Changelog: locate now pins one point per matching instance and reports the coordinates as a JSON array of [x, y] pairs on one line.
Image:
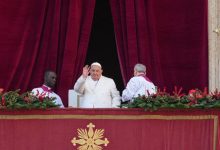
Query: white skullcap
[[96, 64]]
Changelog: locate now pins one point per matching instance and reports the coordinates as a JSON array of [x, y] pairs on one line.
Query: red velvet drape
[[43, 34], [169, 36], [77, 40]]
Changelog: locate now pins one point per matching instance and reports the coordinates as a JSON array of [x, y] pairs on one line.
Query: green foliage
[[14, 100], [195, 99]]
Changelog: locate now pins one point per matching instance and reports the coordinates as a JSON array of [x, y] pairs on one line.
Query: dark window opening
[[102, 46]]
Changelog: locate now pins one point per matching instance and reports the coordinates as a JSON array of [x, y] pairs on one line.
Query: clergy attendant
[[98, 91], [138, 85], [46, 88]]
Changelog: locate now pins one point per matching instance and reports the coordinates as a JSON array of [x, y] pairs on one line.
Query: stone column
[[214, 44]]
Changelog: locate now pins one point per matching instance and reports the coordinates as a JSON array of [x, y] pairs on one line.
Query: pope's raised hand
[[85, 71]]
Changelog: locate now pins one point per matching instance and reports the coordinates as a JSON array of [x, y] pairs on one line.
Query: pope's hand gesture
[[85, 71]]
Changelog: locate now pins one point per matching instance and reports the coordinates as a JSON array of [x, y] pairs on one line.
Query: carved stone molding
[[214, 44]]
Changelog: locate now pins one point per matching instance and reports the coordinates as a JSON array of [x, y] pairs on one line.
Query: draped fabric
[[124, 129], [169, 37], [77, 40], [43, 34]]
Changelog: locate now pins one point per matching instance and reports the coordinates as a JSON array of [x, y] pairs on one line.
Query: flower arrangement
[[14, 100], [194, 99]]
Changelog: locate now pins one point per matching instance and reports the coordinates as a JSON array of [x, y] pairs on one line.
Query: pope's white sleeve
[[116, 98], [79, 85]]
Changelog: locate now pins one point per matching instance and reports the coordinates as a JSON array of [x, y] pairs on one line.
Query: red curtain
[[76, 43], [169, 36], [43, 34]]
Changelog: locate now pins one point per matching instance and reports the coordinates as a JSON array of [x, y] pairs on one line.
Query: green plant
[[15, 100], [195, 99]]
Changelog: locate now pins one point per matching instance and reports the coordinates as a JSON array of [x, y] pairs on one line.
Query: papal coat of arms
[[90, 139]]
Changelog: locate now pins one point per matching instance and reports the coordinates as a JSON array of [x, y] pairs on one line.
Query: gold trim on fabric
[[114, 117], [215, 132], [121, 117]]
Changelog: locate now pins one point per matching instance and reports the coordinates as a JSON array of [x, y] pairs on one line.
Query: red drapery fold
[[77, 40], [40, 35], [169, 37]]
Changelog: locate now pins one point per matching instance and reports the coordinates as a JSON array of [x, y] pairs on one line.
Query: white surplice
[[136, 86], [40, 91]]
